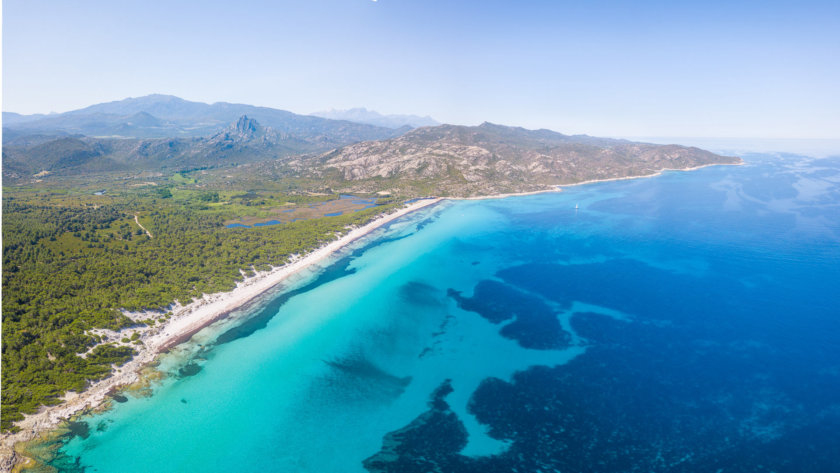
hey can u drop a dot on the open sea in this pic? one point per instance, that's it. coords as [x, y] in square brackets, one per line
[686, 322]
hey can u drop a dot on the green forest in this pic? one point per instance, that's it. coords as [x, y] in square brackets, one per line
[72, 260]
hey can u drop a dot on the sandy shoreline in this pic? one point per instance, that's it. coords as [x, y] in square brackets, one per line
[186, 321]
[657, 173]
[512, 194]
[559, 187]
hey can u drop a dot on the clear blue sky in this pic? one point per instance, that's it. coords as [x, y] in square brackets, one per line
[643, 68]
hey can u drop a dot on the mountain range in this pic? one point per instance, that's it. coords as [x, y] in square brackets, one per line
[166, 116]
[444, 159]
[243, 141]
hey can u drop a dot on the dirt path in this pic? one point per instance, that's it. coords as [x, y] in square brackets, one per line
[136, 219]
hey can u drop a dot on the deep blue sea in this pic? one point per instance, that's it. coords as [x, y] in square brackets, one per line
[686, 322]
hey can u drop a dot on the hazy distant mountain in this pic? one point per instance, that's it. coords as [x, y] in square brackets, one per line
[11, 118]
[245, 140]
[489, 159]
[158, 116]
[136, 125]
[363, 115]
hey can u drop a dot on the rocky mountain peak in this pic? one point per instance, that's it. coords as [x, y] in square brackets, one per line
[244, 130]
[246, 126]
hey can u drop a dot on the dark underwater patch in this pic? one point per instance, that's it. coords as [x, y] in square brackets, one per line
[420, 294]
[360, 376]
[431, 442]
[118, 397]
[78, 429]
[534, 324]
[190, 369]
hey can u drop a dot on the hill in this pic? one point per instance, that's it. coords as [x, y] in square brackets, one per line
[490, 159]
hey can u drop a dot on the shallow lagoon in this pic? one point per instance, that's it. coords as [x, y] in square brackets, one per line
[345, 203]
[681, 323]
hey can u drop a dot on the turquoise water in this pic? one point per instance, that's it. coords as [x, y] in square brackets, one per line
[681, 323]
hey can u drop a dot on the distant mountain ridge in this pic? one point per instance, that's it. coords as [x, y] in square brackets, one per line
[363, 115]
[167, 116]
[12, 118]
[243, 141]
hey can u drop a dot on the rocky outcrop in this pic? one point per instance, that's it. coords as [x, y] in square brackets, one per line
[8, 459]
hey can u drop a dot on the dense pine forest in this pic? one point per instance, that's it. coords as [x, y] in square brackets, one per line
[73, 260]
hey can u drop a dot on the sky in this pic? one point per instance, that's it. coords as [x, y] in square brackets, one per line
[607, 68]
